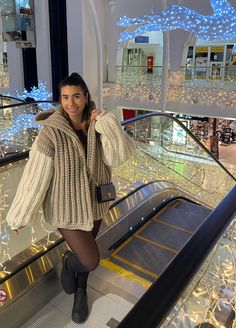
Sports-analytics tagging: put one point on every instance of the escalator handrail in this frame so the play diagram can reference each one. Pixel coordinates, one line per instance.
(25, 103)
(11, 97)
(14, 158)
(140, 117)
(154, 306)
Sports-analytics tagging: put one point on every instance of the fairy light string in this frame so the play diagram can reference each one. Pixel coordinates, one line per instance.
(221, 25)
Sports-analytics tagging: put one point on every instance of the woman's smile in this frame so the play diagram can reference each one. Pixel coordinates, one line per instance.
(73, 100)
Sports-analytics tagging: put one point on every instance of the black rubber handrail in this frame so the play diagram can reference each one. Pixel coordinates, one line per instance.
(140, 117)
(29, 103)
(30, 260)
(154, 306)
(14, 158)
(130, 193)
(11, 97)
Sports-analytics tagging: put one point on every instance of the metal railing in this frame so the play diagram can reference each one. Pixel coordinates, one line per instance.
(211, 75)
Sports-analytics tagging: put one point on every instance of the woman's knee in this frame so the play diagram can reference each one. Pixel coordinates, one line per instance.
(92, 263)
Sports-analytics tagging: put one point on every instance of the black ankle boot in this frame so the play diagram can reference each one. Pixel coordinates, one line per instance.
(68, 278)
(80, 307)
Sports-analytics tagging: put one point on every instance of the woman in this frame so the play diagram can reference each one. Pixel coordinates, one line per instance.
(77, 146)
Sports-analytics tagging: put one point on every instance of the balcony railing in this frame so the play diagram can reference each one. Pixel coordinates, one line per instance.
(208, 76)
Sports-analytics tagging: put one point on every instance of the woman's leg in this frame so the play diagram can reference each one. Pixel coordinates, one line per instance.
(82, 277)
(85, 255)
(85, 258)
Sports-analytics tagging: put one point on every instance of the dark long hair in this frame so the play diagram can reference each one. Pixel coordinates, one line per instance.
(76, 80)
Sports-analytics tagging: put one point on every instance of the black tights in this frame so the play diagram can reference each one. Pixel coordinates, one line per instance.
(85, 255)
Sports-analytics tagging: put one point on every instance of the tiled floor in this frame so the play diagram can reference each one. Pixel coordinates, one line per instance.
(105, 310)
(227, 155)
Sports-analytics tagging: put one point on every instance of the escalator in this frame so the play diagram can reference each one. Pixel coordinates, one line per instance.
(158, 240)
(163, 199)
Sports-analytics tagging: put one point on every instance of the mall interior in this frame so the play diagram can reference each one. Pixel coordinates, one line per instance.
(167, 70)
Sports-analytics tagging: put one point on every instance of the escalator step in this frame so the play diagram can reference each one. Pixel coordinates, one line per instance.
(184, 219)
(197, 209)
(124, 271)
(143, 256)
(164, 234)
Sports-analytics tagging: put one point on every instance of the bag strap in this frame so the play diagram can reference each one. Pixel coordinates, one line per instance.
(88, 170)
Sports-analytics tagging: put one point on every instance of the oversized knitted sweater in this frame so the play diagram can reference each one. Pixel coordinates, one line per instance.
(55, 176)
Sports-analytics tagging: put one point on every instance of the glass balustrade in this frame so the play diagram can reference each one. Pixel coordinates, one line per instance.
(133, 74)
(189, 76)
(209, 301)
(17, 127)
(17, 133)
(166, 150)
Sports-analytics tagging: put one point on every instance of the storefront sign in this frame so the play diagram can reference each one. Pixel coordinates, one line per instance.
(142, 39)
(201, 49)
(217, 49)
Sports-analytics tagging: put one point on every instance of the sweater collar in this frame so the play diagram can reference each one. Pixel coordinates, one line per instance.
(57, 118)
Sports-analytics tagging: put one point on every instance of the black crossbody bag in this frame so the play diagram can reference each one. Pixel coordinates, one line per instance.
(104, 192)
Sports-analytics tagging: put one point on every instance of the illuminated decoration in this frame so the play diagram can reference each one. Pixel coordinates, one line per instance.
(210, 298)
(135, 85)
(38, 94)
(22, 130)
(201, 95)
(219, 26)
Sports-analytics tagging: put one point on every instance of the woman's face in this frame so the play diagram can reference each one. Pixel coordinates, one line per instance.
(73, 101)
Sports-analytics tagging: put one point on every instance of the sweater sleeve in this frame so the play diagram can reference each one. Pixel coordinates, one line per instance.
(117, 145)
(31, 190)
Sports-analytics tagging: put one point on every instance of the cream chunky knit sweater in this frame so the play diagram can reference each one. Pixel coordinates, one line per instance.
(55, 176)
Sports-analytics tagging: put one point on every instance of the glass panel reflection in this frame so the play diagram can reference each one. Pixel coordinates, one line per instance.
(209, 301)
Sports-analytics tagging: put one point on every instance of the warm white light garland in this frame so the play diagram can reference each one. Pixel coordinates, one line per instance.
(143, 92)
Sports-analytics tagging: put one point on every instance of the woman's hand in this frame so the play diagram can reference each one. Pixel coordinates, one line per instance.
(17, 230)
(94, 114)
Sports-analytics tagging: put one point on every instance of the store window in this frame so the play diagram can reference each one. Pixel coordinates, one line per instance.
(211, 62)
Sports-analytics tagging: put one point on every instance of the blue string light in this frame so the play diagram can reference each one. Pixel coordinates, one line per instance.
(23, 126)
(219, 26)
(38, 94)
